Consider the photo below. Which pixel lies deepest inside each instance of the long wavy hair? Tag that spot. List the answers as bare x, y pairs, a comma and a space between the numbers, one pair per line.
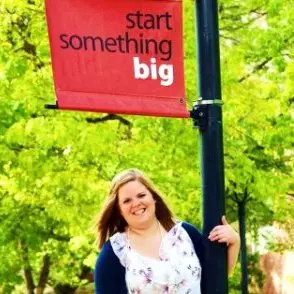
110, 220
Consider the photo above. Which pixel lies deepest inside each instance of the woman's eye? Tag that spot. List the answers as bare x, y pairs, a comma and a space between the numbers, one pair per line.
126, 201
141, 195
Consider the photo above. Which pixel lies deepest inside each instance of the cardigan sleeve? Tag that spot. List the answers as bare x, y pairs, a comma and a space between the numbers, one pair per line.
109, 274
199, 242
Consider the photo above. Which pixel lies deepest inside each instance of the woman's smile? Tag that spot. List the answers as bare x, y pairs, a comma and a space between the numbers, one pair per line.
139, 211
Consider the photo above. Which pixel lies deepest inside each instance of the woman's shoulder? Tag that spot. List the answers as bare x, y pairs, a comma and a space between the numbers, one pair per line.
119, 245
108, 257
106, 253
112, 248
198, 240
192, 231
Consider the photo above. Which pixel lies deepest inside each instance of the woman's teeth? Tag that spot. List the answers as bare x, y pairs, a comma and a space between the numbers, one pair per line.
140, 211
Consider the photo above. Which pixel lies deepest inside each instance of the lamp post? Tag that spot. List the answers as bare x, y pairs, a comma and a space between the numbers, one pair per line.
207, 116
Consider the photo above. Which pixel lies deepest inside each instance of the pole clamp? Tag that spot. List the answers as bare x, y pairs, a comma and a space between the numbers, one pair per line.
200, 101
199, 113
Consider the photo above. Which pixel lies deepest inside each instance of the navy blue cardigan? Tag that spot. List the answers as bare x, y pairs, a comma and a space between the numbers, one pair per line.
109, 274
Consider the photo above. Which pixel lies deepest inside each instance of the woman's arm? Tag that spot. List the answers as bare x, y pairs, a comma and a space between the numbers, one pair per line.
233, 252
226, 234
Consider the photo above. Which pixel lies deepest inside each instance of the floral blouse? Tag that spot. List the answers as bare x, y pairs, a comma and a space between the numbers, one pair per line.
177, 271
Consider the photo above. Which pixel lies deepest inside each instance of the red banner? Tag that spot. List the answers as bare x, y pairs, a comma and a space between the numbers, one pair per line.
118, 56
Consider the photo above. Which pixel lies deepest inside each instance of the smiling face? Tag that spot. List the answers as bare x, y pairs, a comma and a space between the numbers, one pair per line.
136, 205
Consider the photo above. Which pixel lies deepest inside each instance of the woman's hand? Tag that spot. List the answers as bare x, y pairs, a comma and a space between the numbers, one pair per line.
224, 234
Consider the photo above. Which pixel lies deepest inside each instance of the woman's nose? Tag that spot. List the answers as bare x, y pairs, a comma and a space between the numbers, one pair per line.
136, 202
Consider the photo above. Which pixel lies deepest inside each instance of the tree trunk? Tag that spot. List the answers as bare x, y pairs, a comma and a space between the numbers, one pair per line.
242, 229
44, 274
27, 267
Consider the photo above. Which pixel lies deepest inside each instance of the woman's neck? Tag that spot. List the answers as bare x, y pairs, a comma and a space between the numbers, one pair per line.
148, 231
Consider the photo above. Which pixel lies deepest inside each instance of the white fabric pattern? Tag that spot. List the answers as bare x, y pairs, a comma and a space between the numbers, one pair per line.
177, 272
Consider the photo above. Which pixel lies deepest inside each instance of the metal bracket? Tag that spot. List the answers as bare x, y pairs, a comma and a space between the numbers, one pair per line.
52, 106
199, 116
199, 113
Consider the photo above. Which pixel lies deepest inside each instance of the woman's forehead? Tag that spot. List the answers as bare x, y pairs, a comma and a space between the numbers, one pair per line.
131, 188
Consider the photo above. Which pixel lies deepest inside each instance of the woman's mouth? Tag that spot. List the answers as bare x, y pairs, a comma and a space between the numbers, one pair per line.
139, 211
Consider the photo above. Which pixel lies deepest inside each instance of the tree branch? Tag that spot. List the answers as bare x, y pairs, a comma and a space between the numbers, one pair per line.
57, 237
109, 117
255, 69
234, 40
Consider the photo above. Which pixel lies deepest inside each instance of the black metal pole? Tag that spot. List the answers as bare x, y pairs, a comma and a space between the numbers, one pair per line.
207, 114
242, 230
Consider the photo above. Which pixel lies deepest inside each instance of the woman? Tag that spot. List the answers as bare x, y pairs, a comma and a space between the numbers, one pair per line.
144, 249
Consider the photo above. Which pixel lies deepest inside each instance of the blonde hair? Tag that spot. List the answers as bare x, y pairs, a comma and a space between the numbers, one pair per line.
110, 220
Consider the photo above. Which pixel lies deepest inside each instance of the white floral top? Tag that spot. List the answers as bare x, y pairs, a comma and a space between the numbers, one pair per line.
177, 272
